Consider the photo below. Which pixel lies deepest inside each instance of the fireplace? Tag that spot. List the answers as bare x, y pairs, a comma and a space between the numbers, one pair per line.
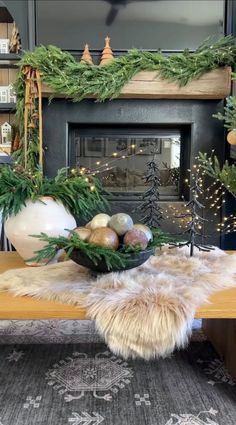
118, 157
96, 136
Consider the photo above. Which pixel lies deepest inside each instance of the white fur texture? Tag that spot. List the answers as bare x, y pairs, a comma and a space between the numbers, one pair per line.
144, 312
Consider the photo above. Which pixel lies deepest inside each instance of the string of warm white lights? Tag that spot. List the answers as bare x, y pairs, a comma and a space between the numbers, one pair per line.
228, 225
106, 166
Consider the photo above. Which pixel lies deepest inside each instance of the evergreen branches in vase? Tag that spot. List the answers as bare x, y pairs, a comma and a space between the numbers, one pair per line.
229, 118
225, 174
229, 115
81, 195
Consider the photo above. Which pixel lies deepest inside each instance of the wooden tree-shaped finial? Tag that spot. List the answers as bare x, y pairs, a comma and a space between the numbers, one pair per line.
86, 56
107, 55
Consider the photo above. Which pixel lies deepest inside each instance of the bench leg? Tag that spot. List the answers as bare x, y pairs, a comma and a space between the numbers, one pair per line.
222, 334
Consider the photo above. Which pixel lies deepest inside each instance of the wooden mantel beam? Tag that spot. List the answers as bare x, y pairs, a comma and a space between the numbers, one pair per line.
215, 84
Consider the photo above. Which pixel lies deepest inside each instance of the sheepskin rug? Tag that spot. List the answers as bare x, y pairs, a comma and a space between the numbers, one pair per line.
144, 312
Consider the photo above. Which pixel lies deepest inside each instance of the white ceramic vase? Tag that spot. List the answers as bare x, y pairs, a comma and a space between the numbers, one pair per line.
44, 215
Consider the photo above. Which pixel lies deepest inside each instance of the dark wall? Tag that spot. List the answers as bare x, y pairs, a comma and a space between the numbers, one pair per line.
22, 12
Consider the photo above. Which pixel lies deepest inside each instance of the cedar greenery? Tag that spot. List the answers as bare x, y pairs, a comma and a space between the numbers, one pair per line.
81, 195
229, 115
225, 174
77, 80
94, 252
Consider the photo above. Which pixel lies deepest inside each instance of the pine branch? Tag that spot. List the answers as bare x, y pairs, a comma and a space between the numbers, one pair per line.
73, 191
94, 252
229, 115
225, 174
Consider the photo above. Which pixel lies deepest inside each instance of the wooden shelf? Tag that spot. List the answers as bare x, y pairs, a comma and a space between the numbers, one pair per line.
10, 57
9, 60
215, 84
7, 107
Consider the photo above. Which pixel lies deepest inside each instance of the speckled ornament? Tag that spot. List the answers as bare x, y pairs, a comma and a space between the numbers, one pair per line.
83, 233
121, 223
145, 229
136, 238
100, 220
231, 137
104, 236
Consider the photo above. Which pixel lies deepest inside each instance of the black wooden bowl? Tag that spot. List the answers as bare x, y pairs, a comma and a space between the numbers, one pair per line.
134, 259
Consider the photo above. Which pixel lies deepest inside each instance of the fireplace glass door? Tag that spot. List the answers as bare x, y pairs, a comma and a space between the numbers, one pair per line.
120, 158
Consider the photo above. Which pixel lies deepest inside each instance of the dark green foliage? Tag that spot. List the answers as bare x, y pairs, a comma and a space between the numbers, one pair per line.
94, 252
74, 191
225, 174
64, 74
229, 115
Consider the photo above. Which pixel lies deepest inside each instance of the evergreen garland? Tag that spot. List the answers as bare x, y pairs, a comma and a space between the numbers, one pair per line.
81, 195
77, 80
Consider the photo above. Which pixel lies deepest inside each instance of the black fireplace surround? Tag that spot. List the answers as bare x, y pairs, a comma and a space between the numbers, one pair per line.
200, 132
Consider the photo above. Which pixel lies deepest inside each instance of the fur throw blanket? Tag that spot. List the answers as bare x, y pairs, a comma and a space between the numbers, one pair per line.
144, 312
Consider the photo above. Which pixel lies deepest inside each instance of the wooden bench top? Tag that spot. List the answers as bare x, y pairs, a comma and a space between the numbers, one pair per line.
222, 304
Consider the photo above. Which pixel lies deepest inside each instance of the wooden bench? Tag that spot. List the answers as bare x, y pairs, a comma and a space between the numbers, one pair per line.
219, 315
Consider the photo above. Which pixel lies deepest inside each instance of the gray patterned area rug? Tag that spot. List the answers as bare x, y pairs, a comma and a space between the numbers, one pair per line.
61, 373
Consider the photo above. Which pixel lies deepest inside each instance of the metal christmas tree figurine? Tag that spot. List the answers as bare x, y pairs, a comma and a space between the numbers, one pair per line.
195, 224
150, 208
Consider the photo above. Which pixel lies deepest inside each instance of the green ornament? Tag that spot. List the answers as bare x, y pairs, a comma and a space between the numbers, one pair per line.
121, 223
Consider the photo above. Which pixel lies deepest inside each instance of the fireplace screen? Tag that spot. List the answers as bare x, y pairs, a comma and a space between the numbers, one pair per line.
121, 161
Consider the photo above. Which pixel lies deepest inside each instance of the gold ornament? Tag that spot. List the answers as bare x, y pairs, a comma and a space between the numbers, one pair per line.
100, 220
107, 55
103, 236
86, 56
231, 137
83, 232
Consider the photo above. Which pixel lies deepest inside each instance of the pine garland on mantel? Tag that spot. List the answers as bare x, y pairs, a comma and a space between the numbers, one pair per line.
77, 80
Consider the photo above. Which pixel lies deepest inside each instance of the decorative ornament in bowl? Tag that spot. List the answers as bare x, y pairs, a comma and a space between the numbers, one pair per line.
106, 244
